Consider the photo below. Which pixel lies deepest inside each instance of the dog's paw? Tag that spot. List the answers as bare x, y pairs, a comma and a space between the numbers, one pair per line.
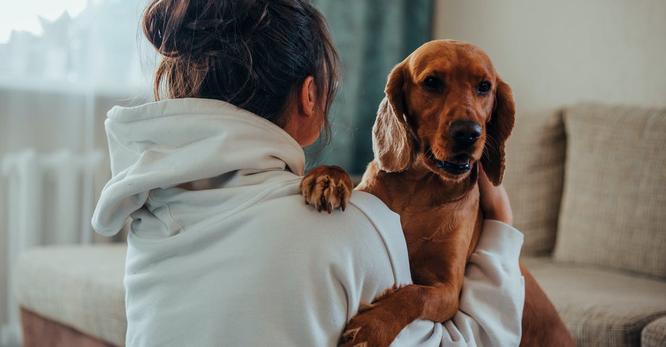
366, 330
327, 188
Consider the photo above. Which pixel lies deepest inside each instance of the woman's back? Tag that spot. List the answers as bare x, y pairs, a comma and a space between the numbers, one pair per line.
249, 262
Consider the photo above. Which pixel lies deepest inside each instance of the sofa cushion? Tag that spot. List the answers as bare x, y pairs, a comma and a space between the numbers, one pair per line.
600, 307
534, 175
78, 286
614, 203
654, 334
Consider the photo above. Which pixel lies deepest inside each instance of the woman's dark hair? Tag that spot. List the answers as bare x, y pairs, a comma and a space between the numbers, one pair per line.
250, 53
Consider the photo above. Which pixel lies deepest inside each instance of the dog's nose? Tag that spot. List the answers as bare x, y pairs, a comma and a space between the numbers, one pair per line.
465, 132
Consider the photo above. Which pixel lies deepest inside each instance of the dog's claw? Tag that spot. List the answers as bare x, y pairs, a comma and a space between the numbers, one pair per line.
349, 335
327, 188
364, 331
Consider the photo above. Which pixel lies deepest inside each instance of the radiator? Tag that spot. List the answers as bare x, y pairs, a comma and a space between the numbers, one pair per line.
48, 200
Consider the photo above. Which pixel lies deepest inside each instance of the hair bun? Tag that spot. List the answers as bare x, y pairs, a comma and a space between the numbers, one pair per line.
200, 28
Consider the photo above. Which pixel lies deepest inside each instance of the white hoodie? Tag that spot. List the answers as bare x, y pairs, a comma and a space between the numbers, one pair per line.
244, 262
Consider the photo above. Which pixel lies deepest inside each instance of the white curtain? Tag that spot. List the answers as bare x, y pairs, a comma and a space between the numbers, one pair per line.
55, 88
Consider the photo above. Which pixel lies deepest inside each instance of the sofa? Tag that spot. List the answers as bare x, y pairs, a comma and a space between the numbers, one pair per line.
588, 189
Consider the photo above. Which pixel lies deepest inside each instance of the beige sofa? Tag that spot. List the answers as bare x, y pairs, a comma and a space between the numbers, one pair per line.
588, 187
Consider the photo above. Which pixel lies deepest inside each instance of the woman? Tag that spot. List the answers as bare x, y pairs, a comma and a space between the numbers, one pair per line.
221, 249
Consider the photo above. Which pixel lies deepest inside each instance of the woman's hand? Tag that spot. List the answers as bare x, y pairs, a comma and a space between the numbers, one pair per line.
494, 200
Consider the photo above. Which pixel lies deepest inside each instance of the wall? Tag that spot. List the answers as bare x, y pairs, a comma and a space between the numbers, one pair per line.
555, 53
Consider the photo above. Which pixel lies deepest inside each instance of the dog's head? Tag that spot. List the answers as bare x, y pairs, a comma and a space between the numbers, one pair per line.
445, 109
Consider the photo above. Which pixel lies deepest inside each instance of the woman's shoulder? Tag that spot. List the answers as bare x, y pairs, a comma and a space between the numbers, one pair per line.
388, 227
364, 213
363, 245
367, 226
384, 220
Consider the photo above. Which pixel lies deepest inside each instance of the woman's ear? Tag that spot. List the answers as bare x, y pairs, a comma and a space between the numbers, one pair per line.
303, 117
497, 131
391, 137
308, 97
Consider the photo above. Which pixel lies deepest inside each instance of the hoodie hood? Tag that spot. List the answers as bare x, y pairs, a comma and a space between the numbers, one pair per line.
167, 143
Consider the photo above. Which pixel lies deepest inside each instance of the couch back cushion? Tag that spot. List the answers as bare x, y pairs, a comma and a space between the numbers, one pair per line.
614, 203
533, 178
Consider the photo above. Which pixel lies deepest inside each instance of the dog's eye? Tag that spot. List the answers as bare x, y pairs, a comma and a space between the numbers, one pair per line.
483, 88
433, 83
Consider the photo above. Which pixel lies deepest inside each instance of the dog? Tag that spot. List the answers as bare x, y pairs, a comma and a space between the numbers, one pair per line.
446, 112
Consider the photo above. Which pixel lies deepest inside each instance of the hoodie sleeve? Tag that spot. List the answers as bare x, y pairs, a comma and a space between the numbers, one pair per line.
493, 292
492, 297
494, 271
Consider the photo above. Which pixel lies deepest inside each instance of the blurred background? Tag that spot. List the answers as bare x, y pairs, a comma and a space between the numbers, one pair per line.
580, 70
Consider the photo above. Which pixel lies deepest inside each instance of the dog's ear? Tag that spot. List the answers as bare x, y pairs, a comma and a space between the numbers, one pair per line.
498, 130
391, 136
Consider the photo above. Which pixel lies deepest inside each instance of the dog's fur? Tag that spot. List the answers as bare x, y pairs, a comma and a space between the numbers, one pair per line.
435, 86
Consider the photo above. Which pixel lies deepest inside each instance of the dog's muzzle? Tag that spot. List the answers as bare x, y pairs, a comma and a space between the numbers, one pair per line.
454, 168
456, 165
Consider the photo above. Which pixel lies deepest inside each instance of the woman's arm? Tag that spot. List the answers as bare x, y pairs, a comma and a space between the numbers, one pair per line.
492, 297
493, 290
493, 293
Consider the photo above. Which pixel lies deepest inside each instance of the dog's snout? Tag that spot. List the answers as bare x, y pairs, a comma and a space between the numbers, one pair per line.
465, 132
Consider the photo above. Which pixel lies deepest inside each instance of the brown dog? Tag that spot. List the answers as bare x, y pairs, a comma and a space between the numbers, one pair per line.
446, 110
